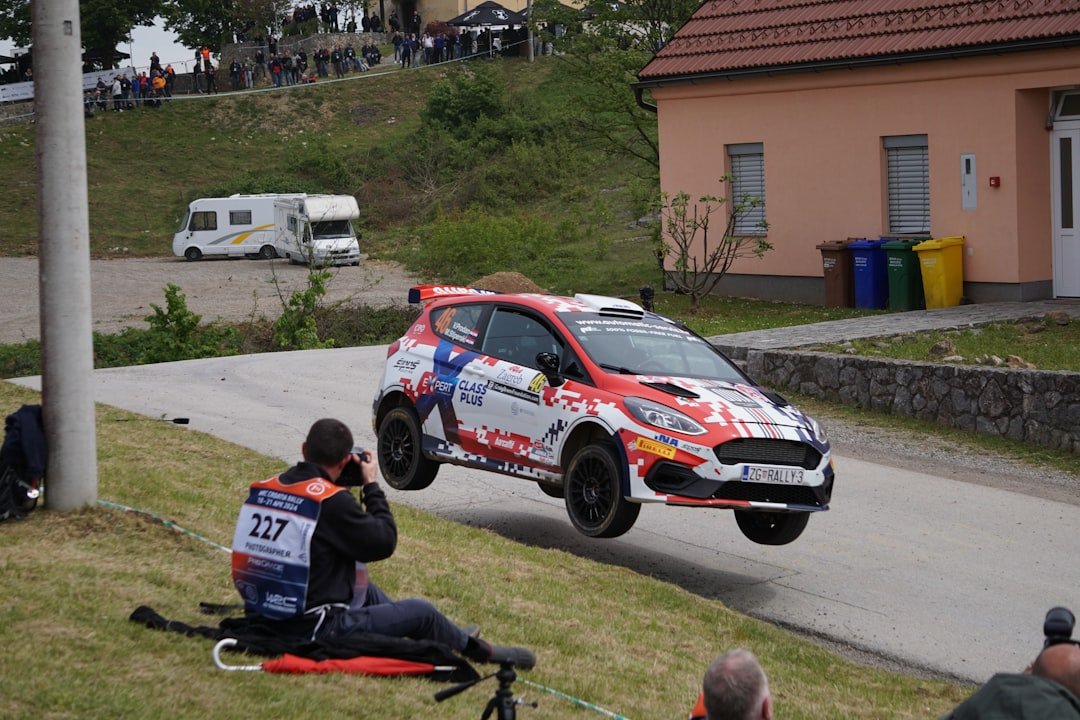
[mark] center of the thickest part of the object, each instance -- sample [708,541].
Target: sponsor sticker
[537,383]
[656,448]
[515,392]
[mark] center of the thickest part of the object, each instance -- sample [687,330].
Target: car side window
[458,323]
[518,337]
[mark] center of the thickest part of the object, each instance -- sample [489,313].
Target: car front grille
[763,451]
[788,494]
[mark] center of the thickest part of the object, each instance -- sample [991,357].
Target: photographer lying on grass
[302,539]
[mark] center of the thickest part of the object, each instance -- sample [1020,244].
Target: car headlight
[817,430]
[662,416]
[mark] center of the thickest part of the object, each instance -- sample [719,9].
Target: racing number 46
[264,527]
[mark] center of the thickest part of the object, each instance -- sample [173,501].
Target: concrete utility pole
[528,11]
[64,257]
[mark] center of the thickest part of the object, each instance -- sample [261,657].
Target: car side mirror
[549,365]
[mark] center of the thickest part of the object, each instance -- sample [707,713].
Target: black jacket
[344,535]
[1018,697]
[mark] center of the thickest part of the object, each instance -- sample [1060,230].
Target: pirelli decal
[656,448]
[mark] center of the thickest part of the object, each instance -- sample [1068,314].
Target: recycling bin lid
[939,243]
[899,244]
[833,245]
[866,244]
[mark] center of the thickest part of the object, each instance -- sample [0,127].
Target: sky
[145,40]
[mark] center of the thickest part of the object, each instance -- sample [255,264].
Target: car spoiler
[422,293]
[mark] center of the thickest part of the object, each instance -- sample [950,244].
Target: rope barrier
[167,523]
[576,701]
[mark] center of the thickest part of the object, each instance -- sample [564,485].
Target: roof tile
[743,35]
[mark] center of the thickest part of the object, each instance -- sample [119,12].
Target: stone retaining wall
[1034,406]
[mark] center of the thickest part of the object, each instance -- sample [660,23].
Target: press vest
[271,551]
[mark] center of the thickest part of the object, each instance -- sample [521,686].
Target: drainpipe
[638,90]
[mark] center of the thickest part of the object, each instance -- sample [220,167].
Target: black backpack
[22,462]
[18,496]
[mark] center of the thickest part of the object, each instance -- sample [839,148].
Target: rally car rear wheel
[594,498]
[767,528]
[401,461]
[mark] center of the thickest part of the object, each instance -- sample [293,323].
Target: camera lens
[1058,626]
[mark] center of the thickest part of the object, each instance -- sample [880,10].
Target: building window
[747,162]
[907,161]
[1068,106]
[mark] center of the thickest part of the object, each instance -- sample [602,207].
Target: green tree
[104,24]
[213,23]
[603,49]
[458,103]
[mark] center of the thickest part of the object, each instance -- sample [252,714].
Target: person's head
[1060,663]
[328,445]
[735,688]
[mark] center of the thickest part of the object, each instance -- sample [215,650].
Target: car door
[505,403]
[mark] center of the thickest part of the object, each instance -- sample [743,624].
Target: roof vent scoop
[610,305]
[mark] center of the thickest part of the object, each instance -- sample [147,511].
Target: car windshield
[331,229]
[647,346]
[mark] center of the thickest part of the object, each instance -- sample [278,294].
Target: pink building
[870,118]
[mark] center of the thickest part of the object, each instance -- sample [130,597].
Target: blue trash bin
[871,275]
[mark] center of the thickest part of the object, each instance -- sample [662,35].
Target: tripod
[503,702]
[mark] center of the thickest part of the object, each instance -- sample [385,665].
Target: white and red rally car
[599,402]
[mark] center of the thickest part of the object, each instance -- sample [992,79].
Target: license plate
[772,475]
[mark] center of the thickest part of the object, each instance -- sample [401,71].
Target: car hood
[713,402]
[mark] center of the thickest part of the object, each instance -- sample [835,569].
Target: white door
[1065,169]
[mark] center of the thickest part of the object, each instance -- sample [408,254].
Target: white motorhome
[234,226]
[317,229]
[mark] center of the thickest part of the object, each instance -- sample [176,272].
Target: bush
[175,332]
[476,244]
[472,93]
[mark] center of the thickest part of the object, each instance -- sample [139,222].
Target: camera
[351,475]
[1058,626]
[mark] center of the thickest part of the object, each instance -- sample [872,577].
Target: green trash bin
[905,274]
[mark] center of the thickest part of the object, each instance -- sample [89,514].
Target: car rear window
[458,323]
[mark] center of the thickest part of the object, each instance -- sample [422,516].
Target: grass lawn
[1043,342]
[605,635]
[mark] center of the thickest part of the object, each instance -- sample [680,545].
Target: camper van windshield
[331,229]
[183,223]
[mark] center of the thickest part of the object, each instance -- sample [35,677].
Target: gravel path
[122,290]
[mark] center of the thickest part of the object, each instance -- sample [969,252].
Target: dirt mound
[507,282]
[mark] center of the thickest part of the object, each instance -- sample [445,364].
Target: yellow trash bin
[941,261]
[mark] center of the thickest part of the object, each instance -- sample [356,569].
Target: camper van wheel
[267,252]
[193,253]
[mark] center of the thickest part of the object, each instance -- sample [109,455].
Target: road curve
[949,577]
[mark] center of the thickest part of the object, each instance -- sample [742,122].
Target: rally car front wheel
[767,528]
[593,489]
[401,461]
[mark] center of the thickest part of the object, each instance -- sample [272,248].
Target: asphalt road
[934,574]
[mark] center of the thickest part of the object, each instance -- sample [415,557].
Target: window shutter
[748,172]
[908,167]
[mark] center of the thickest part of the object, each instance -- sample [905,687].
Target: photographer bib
[271,551]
